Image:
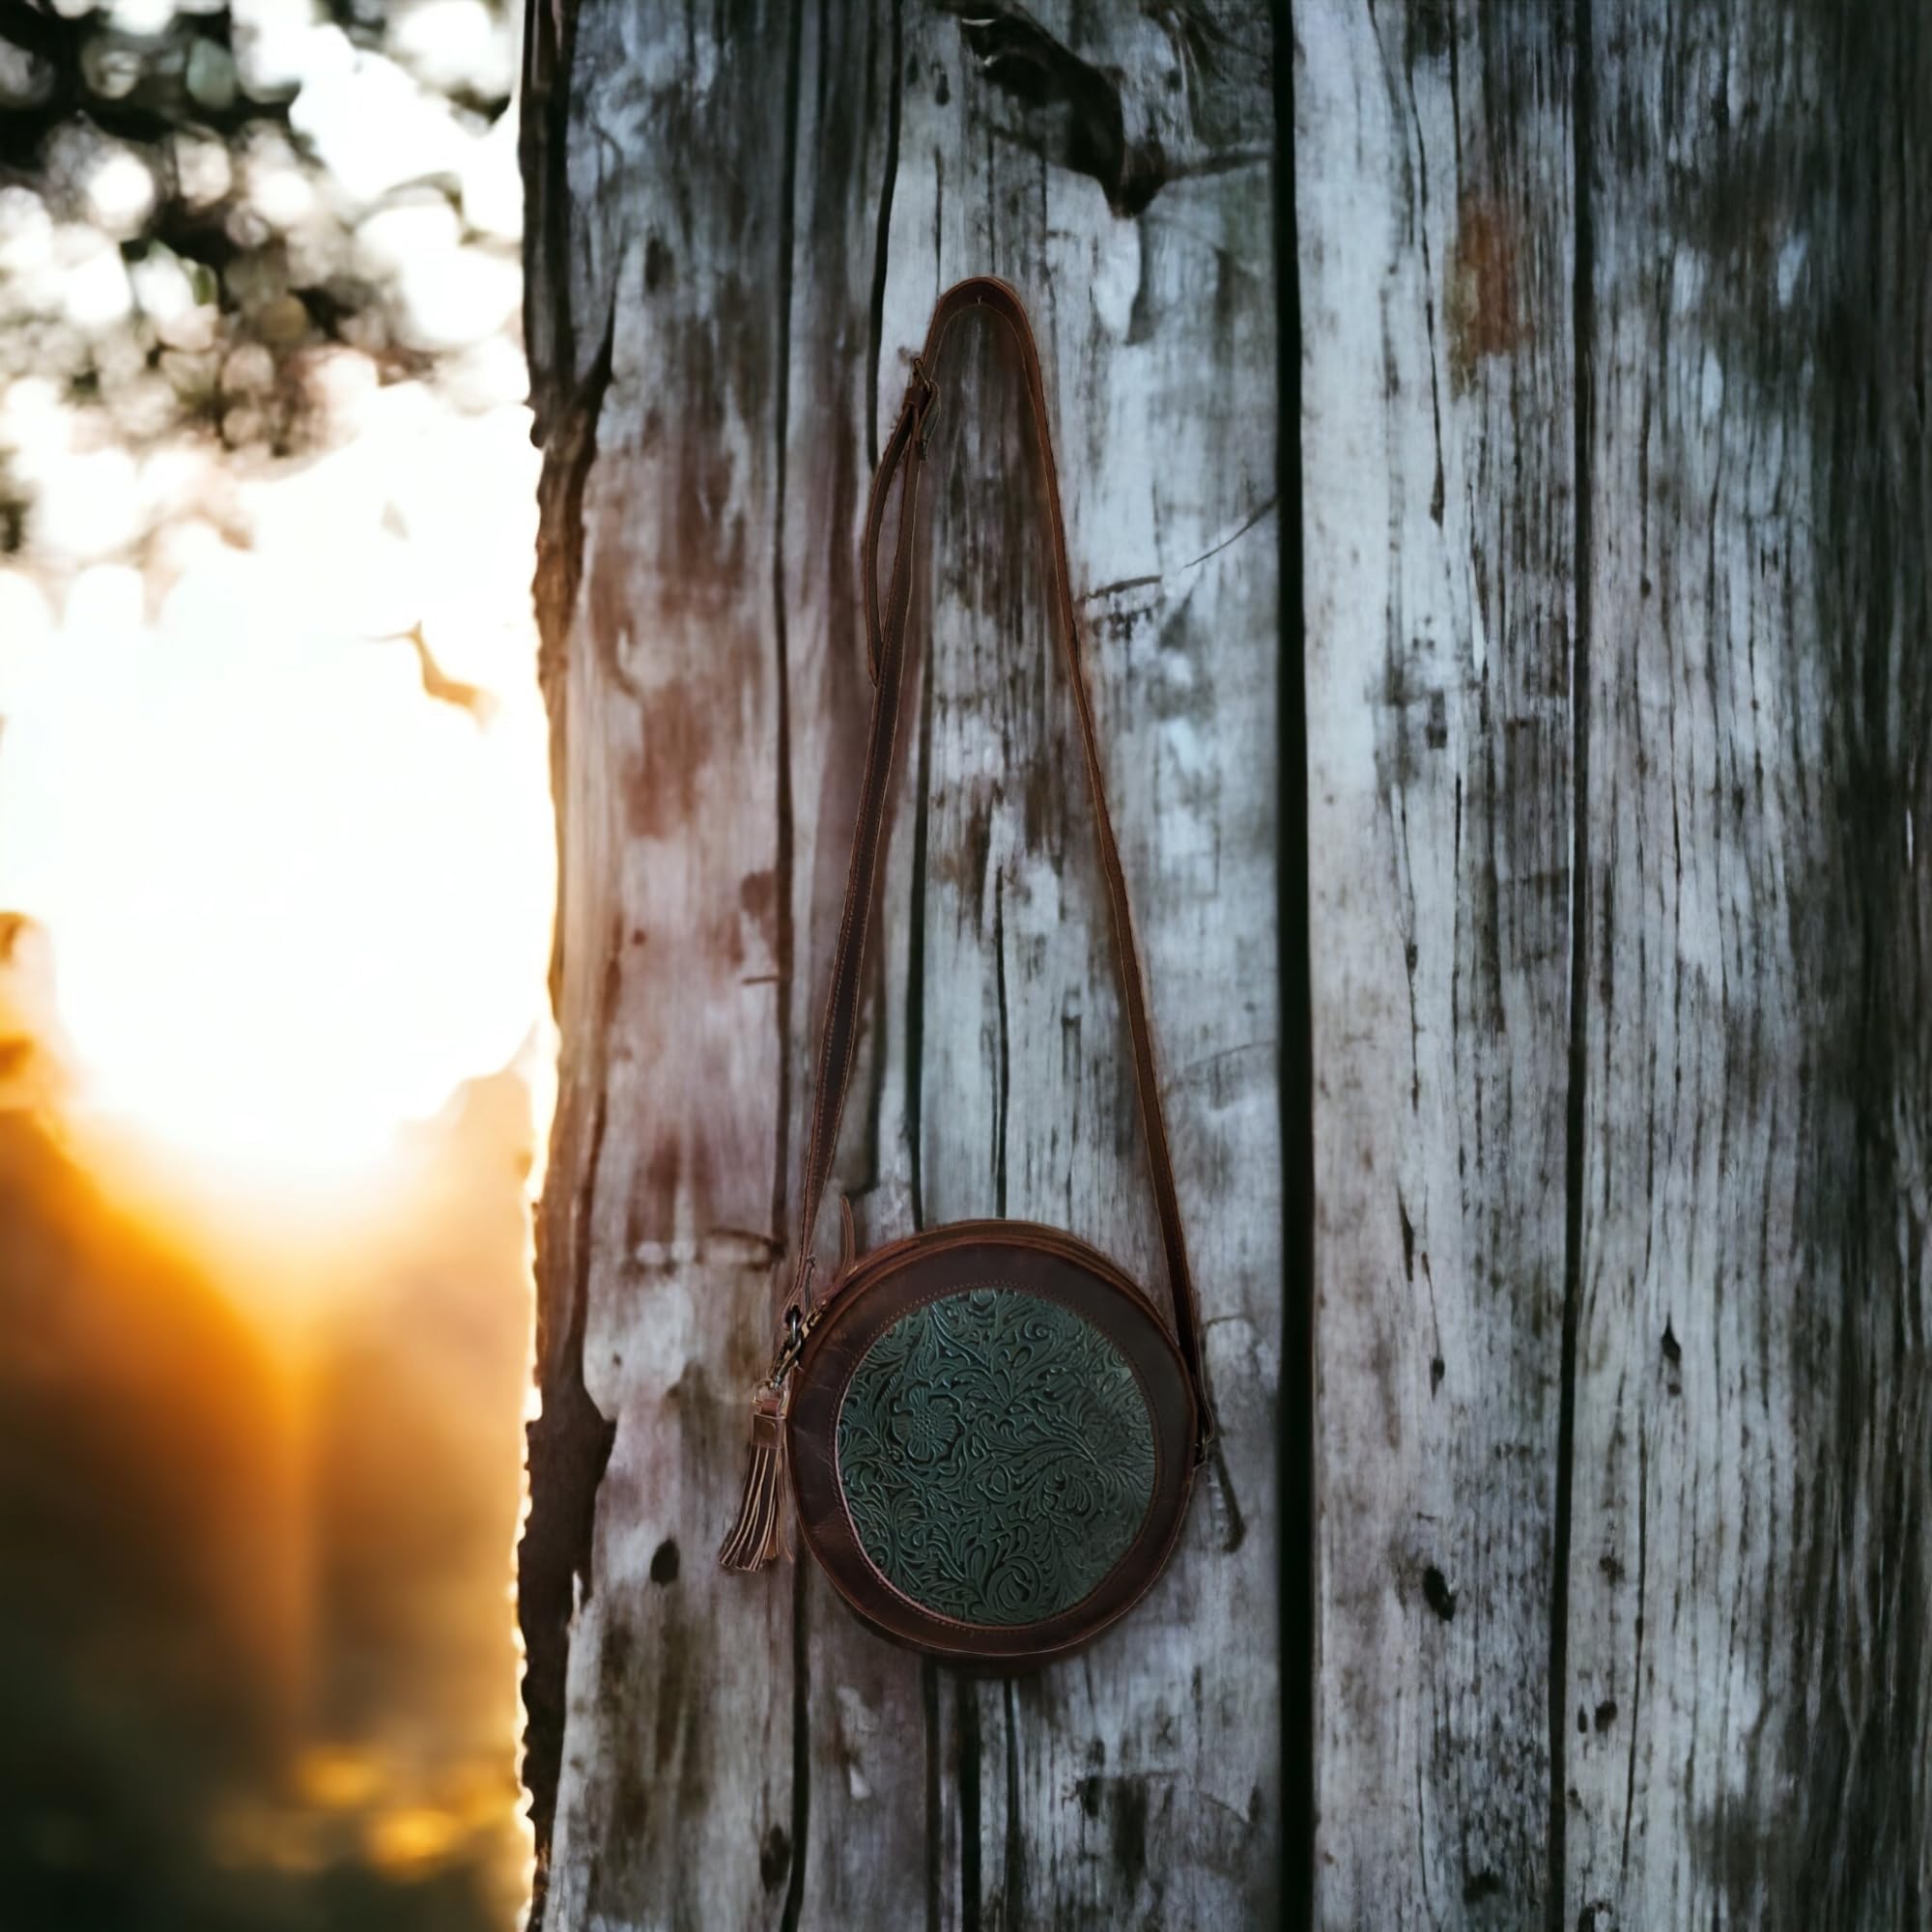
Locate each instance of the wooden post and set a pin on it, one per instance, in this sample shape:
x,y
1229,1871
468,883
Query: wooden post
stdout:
x,y
1619,699
1614,510
734,236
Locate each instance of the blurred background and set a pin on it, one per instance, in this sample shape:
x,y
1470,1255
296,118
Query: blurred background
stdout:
x,y
275,892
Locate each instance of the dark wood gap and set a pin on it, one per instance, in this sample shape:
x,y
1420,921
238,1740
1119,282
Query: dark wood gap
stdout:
x,y
966,1716
1294,1449
935,1822
1582,318
785,937
882,243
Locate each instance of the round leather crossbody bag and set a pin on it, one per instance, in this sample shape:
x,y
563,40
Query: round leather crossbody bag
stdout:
x,y
989,1430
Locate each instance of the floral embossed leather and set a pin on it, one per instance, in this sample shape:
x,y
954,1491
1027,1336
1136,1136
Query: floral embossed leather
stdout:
x,y
996,1456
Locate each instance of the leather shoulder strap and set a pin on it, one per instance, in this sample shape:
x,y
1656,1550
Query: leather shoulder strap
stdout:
x,y
903,461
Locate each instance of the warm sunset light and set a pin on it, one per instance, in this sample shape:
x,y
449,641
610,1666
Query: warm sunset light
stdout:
x,y
276,888
275,794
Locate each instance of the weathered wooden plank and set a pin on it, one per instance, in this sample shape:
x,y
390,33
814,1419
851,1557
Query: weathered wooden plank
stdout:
x,y
661,402
1433,172
1747,1578
1620,911
763,215
860,1724
1694,1144
1140,1785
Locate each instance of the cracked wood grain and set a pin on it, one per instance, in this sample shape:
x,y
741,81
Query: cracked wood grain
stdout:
x,y
1432,176
1140,1785
675,1800
1749,1697
762,216
1613,516
1613,324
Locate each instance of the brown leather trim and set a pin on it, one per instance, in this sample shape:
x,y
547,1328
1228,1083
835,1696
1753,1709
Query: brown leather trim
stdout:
x,y
903,461
889,1284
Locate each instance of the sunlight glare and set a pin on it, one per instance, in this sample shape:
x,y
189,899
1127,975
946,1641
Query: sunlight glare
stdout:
x,y
294,898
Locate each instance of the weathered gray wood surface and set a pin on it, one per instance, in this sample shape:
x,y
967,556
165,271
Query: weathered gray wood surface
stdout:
x,y
1619,701
1438,560
1615,512
737,227
1748,1558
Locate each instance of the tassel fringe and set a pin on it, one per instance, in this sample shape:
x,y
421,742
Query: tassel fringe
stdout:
x,y
762,1532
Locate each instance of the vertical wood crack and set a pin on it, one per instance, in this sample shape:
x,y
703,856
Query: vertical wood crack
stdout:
x,y
1582,134
935,1823
1636,1664
966,1714
1014,1909
1294,1436
568,1446
784,939
882,242
1006,1071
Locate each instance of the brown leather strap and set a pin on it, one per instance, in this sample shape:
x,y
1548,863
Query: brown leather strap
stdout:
x,y
903,461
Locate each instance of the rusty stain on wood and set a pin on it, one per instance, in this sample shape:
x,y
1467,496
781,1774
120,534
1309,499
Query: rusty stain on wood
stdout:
x,y
1480,303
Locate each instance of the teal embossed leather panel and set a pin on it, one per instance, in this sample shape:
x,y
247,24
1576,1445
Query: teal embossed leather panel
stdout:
x,y
996,1455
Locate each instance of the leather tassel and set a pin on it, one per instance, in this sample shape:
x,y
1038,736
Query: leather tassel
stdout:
x,y
762,1533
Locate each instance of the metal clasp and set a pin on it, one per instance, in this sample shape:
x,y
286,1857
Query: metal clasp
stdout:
x,y
922,400
798,1327
1207,1430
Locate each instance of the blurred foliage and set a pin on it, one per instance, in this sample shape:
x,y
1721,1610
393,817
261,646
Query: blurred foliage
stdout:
x,y
194,199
